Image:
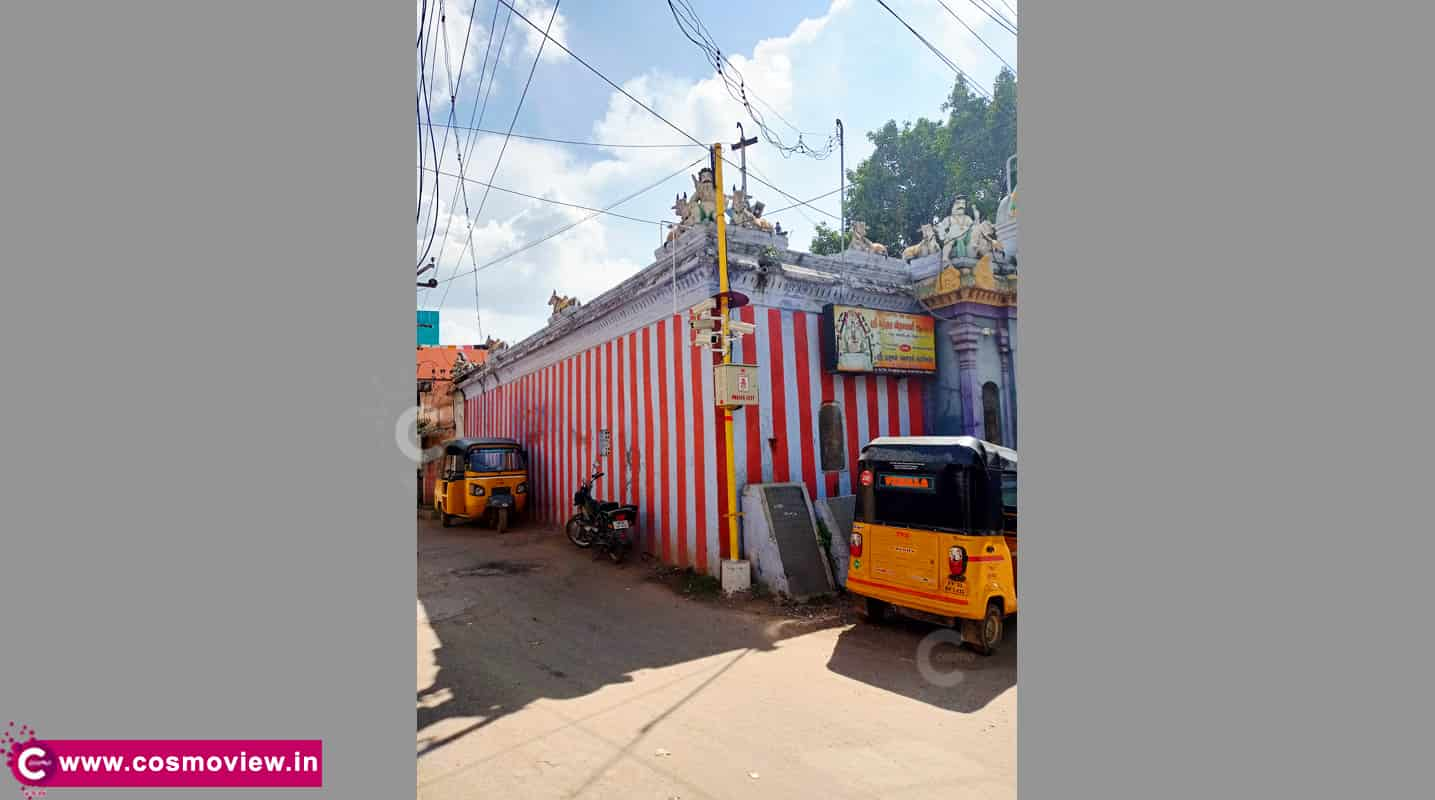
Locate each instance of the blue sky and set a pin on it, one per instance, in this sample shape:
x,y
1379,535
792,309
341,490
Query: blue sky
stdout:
x,y
813,60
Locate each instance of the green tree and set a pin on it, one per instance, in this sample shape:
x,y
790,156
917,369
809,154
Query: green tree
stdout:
x,y
917,168
826,242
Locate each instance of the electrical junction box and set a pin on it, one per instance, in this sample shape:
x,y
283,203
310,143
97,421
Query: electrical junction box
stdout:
x,y
735,384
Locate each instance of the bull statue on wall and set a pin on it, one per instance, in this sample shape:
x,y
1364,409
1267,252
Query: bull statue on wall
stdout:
x,y
560,303
926,247
861,243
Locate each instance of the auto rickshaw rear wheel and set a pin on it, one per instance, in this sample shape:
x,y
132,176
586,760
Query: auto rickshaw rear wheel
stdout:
x,y
447,519
985,635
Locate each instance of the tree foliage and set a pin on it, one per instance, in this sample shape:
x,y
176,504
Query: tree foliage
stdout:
x,y
917,168
826,242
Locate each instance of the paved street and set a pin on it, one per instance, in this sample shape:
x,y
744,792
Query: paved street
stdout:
x,y
543,673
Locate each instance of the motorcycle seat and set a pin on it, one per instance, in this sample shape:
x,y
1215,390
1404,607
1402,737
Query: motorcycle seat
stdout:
x,y
604,506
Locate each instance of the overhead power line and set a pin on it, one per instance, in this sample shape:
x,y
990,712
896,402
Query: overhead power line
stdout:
x,y
567,141
605,78
996,16
519,108
425,89
498,161
692,27
696,141
938,53
767,214
978,35
465,153
605,210
757,177
454,88
497,188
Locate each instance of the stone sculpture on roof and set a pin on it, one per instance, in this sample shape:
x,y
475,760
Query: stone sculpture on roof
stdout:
x,y
745,216
861,243
699,209
984,241
926,247
561,304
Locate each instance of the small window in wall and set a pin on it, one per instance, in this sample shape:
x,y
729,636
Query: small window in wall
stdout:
x,y
991,413
829,432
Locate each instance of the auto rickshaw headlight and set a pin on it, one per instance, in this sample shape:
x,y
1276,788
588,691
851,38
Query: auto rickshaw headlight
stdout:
x,y
475,490
520,488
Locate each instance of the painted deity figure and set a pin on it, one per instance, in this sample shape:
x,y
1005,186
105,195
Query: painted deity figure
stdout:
x,y
700,208
956,231
703,206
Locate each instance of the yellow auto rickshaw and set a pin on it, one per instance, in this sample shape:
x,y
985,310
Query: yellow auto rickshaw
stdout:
x,y
934,533
484,480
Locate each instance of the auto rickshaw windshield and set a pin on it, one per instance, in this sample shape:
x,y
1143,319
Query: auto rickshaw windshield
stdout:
x,y
495,459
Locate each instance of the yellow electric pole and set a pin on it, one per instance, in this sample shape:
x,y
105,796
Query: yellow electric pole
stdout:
x,y
723,294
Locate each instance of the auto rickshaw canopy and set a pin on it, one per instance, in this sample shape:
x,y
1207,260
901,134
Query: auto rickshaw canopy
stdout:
x,y
965,451
458,447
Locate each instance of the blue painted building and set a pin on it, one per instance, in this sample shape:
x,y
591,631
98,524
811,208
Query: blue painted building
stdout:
x,y
428,328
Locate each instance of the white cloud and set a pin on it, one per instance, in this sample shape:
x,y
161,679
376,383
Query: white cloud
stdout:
x,y
854,62
539,12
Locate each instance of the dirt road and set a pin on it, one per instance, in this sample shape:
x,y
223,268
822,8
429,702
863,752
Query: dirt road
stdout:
x,y
543,673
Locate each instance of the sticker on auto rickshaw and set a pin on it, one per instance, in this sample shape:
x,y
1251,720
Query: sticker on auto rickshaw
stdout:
x,y
913,483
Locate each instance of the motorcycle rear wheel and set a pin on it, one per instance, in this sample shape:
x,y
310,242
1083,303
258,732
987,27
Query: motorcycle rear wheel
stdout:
x,y
577,534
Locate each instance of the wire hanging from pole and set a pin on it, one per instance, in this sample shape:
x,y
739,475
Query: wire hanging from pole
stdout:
x,y
692,27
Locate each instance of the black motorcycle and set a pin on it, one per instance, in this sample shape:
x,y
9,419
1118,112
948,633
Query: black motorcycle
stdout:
x,y
611,526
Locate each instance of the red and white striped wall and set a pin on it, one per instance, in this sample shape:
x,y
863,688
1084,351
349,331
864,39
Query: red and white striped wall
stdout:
x,y
654,392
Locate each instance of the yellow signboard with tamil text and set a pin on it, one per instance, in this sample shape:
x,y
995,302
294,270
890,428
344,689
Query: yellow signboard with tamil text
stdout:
x,y
859,340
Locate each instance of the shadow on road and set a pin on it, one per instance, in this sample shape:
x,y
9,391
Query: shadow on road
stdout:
x,y
525,616
886,656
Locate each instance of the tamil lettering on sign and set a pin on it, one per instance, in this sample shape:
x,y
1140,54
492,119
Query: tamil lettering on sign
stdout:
x,y
865,340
